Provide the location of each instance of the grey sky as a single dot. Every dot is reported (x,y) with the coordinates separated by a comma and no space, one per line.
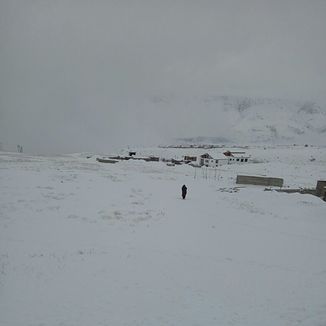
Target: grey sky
(77,75)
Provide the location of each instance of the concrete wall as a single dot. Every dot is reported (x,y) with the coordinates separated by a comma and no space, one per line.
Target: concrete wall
(304,191)
(319,191)
(320,188)
(261,181)
(323,194)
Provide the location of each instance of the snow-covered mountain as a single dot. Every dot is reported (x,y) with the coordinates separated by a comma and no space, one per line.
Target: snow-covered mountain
(222,119)
(266,120)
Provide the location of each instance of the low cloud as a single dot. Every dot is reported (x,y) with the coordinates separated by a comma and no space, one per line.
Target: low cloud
(81,75)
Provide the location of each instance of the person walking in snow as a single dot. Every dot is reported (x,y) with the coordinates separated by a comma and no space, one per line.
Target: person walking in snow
(184,191)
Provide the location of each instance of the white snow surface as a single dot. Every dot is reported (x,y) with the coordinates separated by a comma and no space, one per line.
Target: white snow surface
(86,243)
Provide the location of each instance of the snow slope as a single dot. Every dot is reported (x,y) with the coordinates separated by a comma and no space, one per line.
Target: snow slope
(243,120)
(85,243)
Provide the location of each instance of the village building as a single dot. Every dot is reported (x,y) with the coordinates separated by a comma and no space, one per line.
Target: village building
(237,157)
(189,159)
(205,160)
(209,161)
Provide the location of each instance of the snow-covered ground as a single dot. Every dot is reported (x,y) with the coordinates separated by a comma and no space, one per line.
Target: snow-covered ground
(85,243)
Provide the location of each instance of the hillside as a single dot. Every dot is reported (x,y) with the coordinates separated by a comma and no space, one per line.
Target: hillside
(243,120)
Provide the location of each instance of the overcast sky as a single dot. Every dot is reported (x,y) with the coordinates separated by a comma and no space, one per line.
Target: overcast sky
(76,75)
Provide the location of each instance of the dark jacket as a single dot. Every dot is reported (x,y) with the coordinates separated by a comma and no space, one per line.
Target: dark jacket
(184,191)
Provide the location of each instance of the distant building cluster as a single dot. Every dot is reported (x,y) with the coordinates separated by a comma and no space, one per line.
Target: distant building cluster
(228,157)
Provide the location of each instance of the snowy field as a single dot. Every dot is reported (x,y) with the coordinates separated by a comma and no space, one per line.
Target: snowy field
(85,243)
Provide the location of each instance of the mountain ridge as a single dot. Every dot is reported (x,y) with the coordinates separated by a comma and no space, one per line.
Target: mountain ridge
(244,119)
